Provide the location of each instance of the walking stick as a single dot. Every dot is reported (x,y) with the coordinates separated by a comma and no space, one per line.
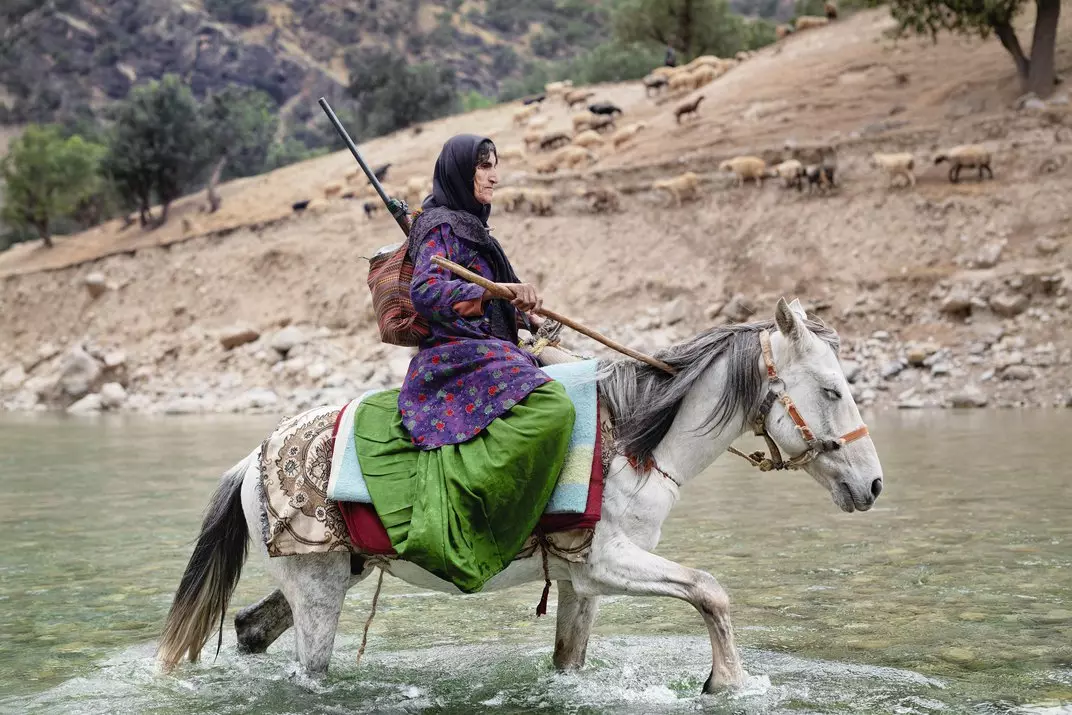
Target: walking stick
(500,291)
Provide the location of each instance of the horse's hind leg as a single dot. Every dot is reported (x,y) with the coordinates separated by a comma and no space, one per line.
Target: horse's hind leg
(576,616)
(625,568)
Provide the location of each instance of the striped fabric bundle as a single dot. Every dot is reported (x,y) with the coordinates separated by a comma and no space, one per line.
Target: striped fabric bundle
(389,278)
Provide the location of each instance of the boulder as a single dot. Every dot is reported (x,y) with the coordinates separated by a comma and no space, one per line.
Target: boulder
(112,395)
(316,371)
(917,354)
(1008,305)
(852,370)
(95,284)
(287,339)
(1047,246)
(940,369)
(989,255)
(78,373)
(12,379)
(912,403)
(738,309)
(957,304)
(1017,372)
(238,335)
(675,311)
(891,369)
(115,360)
(968,396)
(88,405)
(183,406)
(257,398)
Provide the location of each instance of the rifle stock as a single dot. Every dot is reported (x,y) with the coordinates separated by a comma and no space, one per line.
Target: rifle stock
(396,207)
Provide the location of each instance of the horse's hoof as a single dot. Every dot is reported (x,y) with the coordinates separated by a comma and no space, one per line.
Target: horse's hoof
(711,687)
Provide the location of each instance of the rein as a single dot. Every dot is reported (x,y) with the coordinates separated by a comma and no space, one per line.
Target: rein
(776,392)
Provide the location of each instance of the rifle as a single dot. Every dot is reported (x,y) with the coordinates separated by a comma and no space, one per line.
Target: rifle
(397,208)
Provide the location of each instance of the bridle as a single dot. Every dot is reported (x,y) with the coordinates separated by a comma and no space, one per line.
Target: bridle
(776,391)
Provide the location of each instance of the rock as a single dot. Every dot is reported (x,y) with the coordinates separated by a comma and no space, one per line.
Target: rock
(115,360)
(287,339)
(714,310)
(96,284)
(316,371)
(1004,360)
(881,336)
(12,379)
(957,304)
(1068,400)
(257,398)
(1047,246)
(183,406)
(112,395)
(78,373)
(912,403)
(88,405)
(738,309)
(1008,305)
(852,370)
(891,369)
(916,355)
(675,311)
(940,369)
(989,255)
(1017,372)
(238,335)
(960,656)
(969,396)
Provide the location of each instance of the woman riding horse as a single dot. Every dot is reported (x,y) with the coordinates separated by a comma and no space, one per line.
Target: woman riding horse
(461,468)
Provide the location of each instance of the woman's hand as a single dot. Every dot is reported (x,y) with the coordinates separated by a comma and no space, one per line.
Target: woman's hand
(525,297)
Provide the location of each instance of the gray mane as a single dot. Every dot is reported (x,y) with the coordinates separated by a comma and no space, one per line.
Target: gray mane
(645,400)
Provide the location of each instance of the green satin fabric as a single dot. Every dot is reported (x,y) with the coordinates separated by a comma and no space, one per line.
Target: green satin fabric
(463,511)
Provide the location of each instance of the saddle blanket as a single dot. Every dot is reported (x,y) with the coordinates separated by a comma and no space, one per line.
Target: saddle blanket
(570,495)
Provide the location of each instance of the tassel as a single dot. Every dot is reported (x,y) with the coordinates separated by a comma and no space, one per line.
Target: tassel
(541,610)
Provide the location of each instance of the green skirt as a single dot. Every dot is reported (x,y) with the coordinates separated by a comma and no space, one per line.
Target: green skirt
(463,511)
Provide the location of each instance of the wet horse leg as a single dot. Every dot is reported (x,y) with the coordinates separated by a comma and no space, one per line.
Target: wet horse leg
(315,585)
(625,568)
(576,616)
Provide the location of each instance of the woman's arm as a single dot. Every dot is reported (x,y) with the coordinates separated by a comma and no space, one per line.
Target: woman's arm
(435,293)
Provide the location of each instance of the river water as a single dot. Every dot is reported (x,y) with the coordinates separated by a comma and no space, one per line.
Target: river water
(954,594)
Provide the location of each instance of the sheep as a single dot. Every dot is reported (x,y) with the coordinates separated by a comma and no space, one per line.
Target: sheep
(316,204)
(416,189)
(353,174)
(554,89)
(582,121)
(807,22)
(966,156)
(547,166)
(532,138)
(742,56)
(588,139)
(511,153)
(703,75)
(689,107)
(577,96)
(666,72)
(574,156)
(189,225)
(380,172)
(746,167)
(371,208)
(895,165)
(704,61)
(332,189)
(679,187)
(535,99)
(790,171)
(601,199)
(783,31)
(653,84)
(602,123)
(523,114)
(682,81)
(820,176)
(541,201)
(554,140)
(539,122)
(626,134)
(510,198)
(830,9)
(604,108)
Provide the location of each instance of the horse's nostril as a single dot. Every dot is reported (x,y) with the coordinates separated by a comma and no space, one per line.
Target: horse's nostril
(876,487)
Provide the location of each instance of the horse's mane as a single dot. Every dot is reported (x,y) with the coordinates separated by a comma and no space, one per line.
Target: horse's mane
(644,400)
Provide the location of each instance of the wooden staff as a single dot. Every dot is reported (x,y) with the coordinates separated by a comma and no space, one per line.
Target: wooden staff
(500,291)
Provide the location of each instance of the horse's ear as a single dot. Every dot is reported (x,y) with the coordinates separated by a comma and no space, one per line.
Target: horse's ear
(816,319)
(797,308)
(788,323)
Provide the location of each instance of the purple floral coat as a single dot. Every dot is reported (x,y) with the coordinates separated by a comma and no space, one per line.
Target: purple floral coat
(464,376)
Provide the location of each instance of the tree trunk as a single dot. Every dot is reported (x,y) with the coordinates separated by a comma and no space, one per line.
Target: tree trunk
(684,29)
(1042,75)
(1011,42)
(214,200)
(163,213)
(44,232)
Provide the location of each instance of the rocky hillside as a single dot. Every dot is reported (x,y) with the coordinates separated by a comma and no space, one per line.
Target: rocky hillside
(62,59)
(944,294)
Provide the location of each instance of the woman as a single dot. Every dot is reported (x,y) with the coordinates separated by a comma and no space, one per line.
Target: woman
(462,461)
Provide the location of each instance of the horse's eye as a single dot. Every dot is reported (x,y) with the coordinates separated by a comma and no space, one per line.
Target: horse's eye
(831,393)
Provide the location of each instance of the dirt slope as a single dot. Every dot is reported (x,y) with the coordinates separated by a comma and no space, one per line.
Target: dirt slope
(868,258)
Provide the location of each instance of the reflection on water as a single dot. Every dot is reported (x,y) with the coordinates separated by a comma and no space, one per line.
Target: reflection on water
(953,594)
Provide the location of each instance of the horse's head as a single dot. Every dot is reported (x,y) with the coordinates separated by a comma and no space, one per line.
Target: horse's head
(826,435)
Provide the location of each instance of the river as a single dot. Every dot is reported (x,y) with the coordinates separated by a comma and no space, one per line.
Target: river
(954,594)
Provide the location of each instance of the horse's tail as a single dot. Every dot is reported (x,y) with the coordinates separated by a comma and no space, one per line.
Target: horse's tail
(211,575)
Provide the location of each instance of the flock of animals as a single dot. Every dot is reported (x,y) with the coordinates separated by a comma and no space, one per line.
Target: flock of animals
(596,131)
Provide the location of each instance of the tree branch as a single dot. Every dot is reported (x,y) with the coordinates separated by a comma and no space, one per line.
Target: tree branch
(1011,42)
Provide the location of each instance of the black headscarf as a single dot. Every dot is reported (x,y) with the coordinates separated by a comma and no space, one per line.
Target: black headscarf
(452,189)
(452,180)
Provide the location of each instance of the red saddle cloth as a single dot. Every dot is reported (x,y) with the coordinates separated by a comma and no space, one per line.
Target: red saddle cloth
(368,535)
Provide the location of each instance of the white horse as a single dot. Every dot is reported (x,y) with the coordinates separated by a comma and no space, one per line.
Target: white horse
(787,385)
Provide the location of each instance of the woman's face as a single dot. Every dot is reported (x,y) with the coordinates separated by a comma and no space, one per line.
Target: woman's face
(487,175)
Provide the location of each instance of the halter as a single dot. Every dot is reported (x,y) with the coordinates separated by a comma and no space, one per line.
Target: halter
(776,391)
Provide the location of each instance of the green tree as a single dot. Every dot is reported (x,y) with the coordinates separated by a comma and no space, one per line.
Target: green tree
(693,27)
(240,12)
(982,17)
(157,145)
(46,176)
(240,125)
(394,94)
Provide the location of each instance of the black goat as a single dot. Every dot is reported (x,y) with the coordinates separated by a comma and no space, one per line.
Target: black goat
(605,108)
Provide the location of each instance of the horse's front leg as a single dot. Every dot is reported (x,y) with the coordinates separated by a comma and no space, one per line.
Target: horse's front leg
(624,568)
(576,616)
